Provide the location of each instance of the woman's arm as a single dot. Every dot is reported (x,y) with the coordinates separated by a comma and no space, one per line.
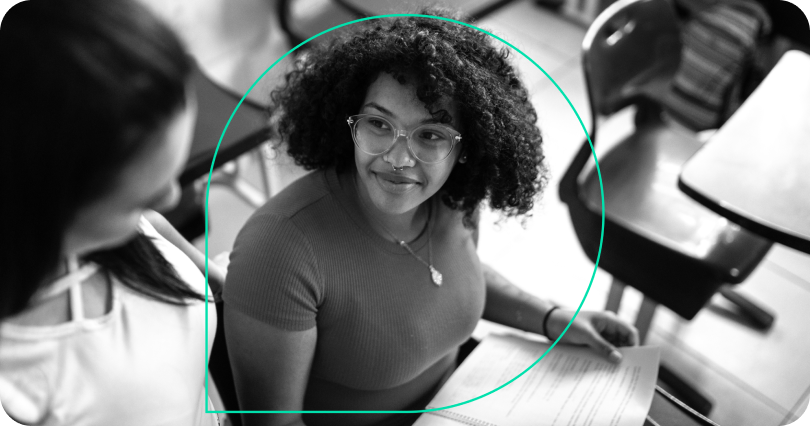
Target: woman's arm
(509,305)
(271,368)
(216,274)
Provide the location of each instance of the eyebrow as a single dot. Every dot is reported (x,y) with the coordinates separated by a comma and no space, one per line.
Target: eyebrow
(387,112)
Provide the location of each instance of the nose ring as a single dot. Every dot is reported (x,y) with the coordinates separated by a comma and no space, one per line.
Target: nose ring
(398,169)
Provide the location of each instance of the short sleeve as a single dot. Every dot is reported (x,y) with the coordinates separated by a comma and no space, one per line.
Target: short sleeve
(24,395)
(273,275)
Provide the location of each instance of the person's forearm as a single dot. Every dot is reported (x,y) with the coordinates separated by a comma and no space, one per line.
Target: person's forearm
(507,304)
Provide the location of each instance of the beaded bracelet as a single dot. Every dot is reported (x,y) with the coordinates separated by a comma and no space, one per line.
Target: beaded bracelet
(545,320)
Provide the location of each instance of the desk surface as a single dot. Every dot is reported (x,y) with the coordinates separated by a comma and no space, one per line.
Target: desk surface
(756,169)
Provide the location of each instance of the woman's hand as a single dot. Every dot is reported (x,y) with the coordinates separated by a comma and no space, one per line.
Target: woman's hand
(217,271)
(603,331)
(217,267)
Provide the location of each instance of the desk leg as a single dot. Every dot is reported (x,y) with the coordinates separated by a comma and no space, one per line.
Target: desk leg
(666,377)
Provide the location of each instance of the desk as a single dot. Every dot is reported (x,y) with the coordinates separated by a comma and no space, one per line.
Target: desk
(756,169)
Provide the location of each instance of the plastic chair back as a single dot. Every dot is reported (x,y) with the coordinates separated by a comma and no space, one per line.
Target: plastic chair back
(631,50)
(248,128)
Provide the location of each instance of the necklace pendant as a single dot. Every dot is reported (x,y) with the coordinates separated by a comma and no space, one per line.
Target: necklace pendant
(435,275)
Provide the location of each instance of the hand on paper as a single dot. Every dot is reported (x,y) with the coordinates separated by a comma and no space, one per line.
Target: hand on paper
(601,331)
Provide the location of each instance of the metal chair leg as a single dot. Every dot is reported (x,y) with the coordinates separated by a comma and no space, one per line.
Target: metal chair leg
(615,296)
(228,175)
(761,317)
(667,378)
(645,317)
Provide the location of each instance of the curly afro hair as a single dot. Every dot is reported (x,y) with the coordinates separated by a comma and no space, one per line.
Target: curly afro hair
(447,61)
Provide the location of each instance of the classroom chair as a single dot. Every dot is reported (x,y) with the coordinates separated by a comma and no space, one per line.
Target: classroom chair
(656,239)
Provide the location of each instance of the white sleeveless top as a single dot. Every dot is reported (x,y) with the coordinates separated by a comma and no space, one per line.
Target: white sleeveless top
(141,364)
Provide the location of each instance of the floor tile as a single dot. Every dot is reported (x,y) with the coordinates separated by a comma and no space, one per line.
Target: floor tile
(792,264)
(227,213)
(547,59)
(542,26)
(542,258)
(562,125)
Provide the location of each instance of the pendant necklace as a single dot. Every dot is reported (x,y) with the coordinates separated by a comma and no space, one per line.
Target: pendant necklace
(435,275)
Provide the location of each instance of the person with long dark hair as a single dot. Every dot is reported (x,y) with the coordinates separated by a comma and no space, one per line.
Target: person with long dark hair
(355,287)
(103,319)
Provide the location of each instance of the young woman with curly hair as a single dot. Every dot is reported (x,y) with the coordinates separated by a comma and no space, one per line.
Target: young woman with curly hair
(354,288)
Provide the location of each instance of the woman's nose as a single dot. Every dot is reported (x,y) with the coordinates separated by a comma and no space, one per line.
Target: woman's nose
(399,155)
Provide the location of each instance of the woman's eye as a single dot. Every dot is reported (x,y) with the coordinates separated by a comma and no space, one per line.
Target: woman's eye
(378,123)
(430,135)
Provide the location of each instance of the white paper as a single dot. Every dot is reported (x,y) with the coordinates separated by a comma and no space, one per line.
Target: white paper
(570,386)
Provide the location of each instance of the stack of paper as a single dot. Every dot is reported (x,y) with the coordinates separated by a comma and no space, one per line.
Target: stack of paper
(570,386)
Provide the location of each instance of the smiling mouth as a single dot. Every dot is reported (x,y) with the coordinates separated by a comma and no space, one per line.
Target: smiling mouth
(395,178)
(395,183)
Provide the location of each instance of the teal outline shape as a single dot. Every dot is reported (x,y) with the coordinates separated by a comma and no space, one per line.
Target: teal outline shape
(208,188)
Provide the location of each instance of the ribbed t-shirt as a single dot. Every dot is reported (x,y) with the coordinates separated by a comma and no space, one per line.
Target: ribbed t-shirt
(387,335)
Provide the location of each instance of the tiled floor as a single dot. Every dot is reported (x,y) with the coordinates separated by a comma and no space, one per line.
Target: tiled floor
(755,378)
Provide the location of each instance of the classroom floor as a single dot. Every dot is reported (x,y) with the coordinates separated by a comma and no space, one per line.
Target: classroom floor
(755,378)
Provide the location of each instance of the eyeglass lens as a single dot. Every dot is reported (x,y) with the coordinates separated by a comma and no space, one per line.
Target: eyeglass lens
(429,143)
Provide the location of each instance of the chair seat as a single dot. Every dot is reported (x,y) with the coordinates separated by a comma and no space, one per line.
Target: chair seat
(654,233)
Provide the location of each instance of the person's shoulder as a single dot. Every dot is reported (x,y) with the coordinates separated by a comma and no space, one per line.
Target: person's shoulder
(278,223)
(297,196)
(25,390)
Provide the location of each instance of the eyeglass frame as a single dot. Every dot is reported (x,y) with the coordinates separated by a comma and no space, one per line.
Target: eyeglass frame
(353,119)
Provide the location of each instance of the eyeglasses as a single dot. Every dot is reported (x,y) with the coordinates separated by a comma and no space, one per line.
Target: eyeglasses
(429,143)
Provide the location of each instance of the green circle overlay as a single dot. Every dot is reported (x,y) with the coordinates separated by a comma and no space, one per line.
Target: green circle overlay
(208,188)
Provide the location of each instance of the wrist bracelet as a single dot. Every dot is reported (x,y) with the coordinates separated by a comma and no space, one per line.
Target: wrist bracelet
(545,320)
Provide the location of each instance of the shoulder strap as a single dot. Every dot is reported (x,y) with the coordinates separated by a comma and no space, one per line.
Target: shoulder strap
(70,282)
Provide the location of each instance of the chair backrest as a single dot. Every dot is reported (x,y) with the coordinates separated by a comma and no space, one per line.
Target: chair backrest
(631,50)
(249,127)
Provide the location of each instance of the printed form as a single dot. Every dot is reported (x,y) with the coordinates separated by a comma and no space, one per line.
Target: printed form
(571,386)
